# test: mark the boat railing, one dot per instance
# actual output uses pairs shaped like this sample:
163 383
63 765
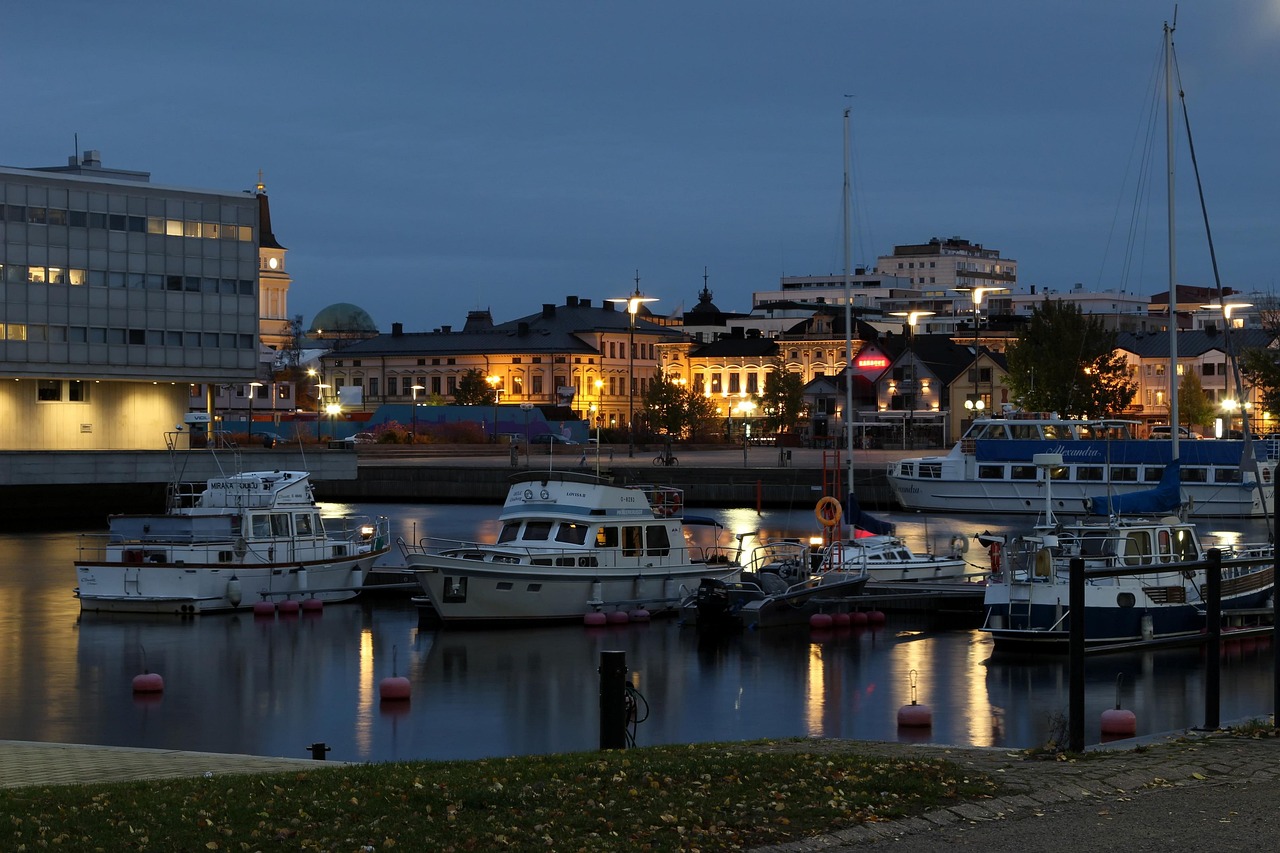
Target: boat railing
778 552
567 557
665 501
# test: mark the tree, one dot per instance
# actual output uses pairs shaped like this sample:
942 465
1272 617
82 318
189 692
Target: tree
783 401
1262 370
1194 407
1065 361
675 409
473 390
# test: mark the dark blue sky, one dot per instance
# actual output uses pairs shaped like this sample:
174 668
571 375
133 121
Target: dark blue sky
425 159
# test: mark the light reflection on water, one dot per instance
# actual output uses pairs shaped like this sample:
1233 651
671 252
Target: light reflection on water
236 684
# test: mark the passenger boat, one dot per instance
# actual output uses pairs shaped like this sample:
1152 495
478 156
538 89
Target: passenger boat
991 469
574 544
1027 598
227 544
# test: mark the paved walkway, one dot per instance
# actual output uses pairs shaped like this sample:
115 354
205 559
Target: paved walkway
1202 792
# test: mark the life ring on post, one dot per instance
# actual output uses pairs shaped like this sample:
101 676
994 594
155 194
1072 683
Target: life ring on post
828 511
959 545
994 552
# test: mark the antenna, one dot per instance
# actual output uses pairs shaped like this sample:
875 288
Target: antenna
77 141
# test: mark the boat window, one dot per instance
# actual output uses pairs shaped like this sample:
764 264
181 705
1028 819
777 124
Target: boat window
989 431
907 469
1022 472
659 544
1061 472
1058 432
510 531
279 524
574 534
990 472
1185 544
1195 475
1086 431
1094 545
1153 473
1089 473
607 537
1025 431
1164 542
1124 474
632 543
261 526
302 522
1227 475
1136 544
536 531
930 470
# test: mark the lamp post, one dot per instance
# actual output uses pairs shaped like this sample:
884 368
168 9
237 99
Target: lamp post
333 409
595 417
633 303
977 293
913 317
1226 308
414 389
526 408
746 407
252 386
493 381
320 389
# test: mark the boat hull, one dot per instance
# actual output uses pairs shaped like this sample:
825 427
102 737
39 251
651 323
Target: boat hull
194 589
470 593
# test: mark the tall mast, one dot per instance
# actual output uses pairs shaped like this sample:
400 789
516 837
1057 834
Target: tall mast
848 313
1173 253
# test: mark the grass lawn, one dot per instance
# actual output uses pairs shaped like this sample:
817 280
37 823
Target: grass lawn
689 797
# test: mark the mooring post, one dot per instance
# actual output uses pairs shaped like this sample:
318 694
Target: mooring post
1075 644
613 700
318 749
1213 655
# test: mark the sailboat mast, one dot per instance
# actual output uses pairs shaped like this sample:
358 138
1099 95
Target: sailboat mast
848 313
1173 253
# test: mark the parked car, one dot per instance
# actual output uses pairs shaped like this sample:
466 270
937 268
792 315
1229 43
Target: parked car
551 438
358 438
268 439
1165 432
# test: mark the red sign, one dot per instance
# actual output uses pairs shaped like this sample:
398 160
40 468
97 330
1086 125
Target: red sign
871 362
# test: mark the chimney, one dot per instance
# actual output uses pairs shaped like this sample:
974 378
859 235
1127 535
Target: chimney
548 311
584 303
571 302
609 306
92 159
446 330
397 329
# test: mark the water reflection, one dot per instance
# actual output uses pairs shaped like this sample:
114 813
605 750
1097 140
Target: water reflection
274 686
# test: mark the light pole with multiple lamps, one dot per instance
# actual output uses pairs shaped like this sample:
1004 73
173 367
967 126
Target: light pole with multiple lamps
633 303
414 389
977 293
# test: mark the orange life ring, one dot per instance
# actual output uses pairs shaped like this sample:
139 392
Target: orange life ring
828 511
994 553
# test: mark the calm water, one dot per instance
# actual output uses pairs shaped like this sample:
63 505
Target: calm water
236 684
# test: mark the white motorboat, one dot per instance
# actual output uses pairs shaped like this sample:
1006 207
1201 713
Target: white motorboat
227 544
574 544
886 557
992 470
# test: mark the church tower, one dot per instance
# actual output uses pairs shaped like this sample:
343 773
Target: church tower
273 280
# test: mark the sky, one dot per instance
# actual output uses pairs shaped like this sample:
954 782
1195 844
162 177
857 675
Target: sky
425 159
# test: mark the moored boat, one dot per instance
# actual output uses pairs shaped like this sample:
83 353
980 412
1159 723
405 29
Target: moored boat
574 544
991 469
227 544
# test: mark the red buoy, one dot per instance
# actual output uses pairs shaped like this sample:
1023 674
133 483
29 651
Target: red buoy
289 607
1118 722
312 605
617 617
639 615
875 617
857 618
841 620
820 620
394 689
594 619
264 608
915 716
148 682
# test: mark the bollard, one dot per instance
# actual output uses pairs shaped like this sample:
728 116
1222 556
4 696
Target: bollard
613 700
318 749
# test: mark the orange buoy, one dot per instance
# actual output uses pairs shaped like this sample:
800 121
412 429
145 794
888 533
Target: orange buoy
1117 722
820 621
394 688
594 618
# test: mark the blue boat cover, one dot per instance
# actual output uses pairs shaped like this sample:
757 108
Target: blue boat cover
855 516
1165 497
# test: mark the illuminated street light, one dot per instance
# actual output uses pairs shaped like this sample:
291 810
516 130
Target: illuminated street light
633 303
252 386
494 381
414 389
977 293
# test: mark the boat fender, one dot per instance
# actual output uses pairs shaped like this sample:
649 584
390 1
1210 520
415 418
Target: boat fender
234 593
828 511
959 545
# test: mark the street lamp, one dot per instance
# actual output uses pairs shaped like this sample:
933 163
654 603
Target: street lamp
746 408
913 317
1226 308
414 389
494 381
526 408
320 389
252 386
633 303
332 410
977 293
595 408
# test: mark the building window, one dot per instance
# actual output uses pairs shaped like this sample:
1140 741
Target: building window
373 386
537 384
517 383
391 386
49 390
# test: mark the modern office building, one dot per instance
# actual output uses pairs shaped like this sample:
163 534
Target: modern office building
119 295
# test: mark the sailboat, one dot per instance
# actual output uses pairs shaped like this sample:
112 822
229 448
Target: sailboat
1027 606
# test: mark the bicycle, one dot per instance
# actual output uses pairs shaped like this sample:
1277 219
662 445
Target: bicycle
668 459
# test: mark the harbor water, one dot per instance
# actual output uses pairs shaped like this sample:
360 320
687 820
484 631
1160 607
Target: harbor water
275 686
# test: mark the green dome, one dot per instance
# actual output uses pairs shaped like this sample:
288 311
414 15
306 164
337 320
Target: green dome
343 317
